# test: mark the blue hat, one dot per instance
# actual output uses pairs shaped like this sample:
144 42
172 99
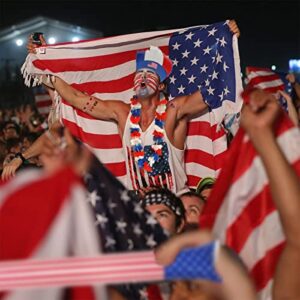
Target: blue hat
155 60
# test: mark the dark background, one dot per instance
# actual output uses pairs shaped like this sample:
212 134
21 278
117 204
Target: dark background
270 29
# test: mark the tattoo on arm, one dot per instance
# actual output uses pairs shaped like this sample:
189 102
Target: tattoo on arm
90 105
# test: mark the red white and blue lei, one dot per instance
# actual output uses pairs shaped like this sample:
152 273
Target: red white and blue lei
158 134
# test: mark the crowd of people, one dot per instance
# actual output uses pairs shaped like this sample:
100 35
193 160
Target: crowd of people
20 127
26 138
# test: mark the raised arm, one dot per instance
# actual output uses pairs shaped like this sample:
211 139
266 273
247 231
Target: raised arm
34 150
236 284
258 119
109 110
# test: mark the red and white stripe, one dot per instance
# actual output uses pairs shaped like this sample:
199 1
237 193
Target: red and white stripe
241 211
80 271
43 102
265 79
105 68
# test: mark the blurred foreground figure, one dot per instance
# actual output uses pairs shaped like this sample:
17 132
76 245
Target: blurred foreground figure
259 118
43 214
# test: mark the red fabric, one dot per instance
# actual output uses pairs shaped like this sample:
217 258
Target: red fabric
153 292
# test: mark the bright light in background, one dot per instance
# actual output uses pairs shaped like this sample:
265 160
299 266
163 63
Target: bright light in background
75 39
294 65
51 40
19 42
273 67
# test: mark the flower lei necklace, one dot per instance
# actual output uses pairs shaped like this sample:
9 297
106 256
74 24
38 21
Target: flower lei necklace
158 134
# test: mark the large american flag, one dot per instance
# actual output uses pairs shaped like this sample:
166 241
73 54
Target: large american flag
240 210
204 57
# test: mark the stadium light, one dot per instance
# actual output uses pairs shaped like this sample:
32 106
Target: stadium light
294 65
51 40
19 42
75 39
273 67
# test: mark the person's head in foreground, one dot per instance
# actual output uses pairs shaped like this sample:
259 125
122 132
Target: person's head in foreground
166 208
152 68
193 204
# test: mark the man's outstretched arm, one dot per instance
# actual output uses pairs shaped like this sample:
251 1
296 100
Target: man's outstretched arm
108 110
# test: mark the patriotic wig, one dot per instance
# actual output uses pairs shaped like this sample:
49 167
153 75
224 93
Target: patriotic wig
155 60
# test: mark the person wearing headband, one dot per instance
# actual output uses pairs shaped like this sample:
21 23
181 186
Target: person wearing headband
166 208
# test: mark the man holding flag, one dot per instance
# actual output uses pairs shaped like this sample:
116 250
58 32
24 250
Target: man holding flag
145 166
154 156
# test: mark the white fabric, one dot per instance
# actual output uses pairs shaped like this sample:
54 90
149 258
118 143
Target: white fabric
176 159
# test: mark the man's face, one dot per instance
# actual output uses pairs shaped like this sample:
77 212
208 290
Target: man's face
193 208
146 83
164 216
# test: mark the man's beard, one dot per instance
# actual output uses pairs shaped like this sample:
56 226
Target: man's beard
145 92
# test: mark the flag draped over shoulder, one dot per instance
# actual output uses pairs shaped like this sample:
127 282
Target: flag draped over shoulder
204 57
240 210
46 217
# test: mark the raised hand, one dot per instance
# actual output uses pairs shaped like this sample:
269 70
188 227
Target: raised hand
31 46
234 28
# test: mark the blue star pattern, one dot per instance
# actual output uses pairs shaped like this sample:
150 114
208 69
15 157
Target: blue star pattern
162 165
203 59
122 223
194 263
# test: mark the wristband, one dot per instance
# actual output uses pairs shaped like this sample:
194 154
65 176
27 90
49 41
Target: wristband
20 155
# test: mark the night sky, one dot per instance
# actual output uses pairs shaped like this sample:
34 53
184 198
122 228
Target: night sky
270 29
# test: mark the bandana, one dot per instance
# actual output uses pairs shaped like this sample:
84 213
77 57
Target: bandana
165 197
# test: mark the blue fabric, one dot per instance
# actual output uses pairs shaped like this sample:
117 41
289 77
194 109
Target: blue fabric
204 60
194 263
